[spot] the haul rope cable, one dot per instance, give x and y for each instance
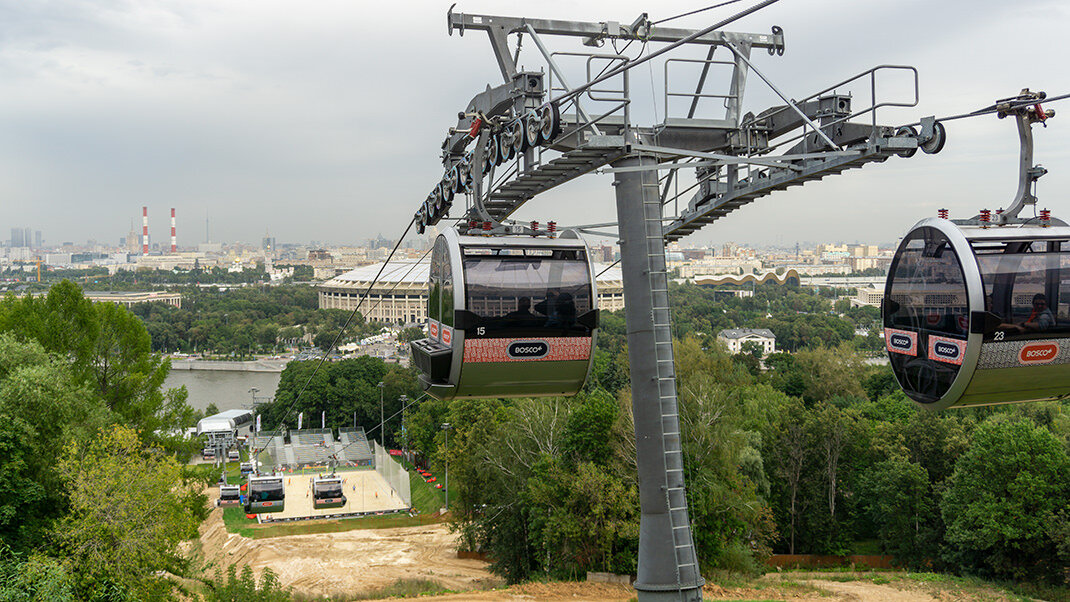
(695, 12)
(337, 337)
(373, 429)
(377, 304)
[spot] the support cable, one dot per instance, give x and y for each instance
(1010, 106)
(695, 12)
(337, 337)
(388, 418)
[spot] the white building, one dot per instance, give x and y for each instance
(734, 338)
(400, 293)
(871, 296)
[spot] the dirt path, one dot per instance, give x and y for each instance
(348, 562)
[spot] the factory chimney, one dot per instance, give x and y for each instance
(144, 230)
(174, 245)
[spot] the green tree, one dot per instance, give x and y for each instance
(1005, 494)
(244, 588)
(128, 511)
(900, 502)
(42, 408)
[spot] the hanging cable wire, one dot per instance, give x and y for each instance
(695, 12)
(387, 419)
(327, 352)
(609, 267)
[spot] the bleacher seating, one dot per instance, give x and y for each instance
(358, 451)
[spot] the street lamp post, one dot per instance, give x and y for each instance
(446, 427)
(402, 401)
(381, 440)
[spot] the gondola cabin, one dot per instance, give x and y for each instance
(327, 492)
(976, 314)
(508, 316)
(229, 495)
(265, 494)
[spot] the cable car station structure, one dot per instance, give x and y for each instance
(536, 131)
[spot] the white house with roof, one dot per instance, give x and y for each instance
(734, 338)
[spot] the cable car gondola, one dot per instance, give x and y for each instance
(327, 492)
(229, 495)
(265, 494)
(508, 316)
(979, 314)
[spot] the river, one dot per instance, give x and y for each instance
(228, 390)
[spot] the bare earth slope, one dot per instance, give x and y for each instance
(364, 560)
(348, 562)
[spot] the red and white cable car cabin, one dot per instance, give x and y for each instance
(978, 315)
(508, 316)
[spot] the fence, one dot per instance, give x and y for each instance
(392, 471)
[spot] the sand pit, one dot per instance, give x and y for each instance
(347, 562)
(365, 491)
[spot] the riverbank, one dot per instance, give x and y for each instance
(260, 365)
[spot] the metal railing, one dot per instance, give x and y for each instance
(695, 96)
(871, 109)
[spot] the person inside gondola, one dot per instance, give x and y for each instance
(1040, 318)
(548, 308)
(566, 311)
(522, 315)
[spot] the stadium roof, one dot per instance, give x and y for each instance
(412, 272)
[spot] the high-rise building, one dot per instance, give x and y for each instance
(17, 238)
(38, 242)
(268, 246)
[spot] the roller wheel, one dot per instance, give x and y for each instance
(505, 145)
(494, 150)
(450, 180)
(520, 137)
(490, 154)
(461, 178)
(532, 126)
(907, 131)
(936, 143)
(445, 196)
(549, 123)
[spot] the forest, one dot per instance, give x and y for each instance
(814, 450)
(811, 450)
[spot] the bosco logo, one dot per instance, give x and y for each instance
(1038, 353)
(528, 350)
(946, 350)
(901, 341)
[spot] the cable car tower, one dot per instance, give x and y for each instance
(537, 130)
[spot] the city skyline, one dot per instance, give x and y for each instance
(267, 119)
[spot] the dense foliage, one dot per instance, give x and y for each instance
(94, 500)
(817, 452)
(246, 321)
(347, 390)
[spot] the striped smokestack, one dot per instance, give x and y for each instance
(174, 245)
(144, 230)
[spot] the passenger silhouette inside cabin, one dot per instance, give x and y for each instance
(522, 315)
(1040, 318)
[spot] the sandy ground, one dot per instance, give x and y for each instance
(365, 491)
(364, 560)
(349, 562)
(800, 589)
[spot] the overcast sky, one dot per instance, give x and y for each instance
(322, 120)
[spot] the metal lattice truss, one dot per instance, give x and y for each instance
(535, 132)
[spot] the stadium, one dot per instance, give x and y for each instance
(399, 295)
(365, 479)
